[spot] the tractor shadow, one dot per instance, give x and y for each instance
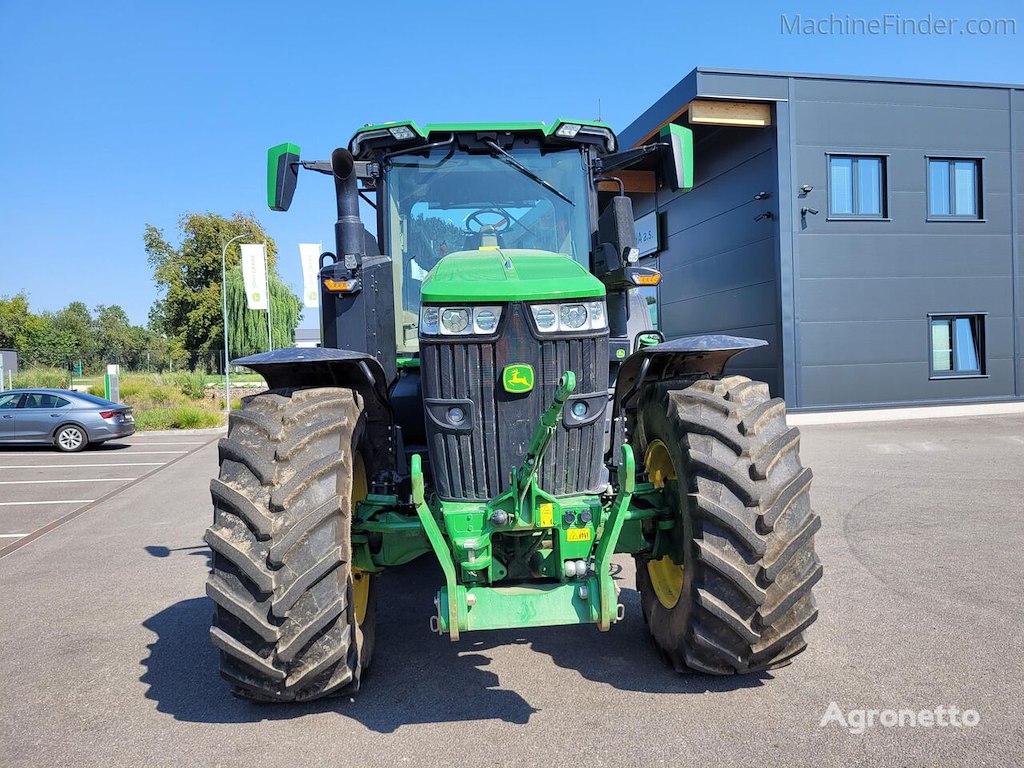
(417, 677)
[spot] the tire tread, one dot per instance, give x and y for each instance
(750, 564)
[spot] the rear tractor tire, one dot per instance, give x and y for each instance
(734, 594)
(292, 620)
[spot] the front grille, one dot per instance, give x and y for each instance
(475, 464)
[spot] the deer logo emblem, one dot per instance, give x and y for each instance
(517, 378)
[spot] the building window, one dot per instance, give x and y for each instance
(954, 188)
(957, 345)
(856, 186)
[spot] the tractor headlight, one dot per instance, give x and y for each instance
(571, 316)
(574, 316)
(429, 317)
(485, 319)
(546, 319)
(402, 132)
(455, 321)
(459, 321)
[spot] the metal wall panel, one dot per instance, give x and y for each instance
(866, 287)
(1017, 208)
(719, 266)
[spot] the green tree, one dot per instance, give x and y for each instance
(117, 340)
(72, 334)
(247, 328)
(189, 309)
(14, 320)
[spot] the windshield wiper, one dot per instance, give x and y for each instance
(501, 154)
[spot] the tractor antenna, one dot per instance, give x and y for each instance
(599, 109)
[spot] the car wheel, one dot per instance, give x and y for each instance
(71, 439)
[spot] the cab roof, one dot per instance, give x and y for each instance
(404, 133)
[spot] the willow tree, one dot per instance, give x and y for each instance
(247, 328)
(187, 277)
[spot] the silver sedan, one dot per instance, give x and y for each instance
(62, 418)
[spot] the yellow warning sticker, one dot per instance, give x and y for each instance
(577, 534)
(547, 515)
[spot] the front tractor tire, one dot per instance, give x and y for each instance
(733, 592)
(292, 620)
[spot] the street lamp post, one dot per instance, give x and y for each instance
(224, 297)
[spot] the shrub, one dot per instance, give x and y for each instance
(192, 385)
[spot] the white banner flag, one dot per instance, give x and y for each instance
(254, 274)
(309, 254)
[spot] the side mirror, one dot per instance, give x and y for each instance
(282, 175)
(677, 159)
(616, 235)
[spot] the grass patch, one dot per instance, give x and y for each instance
(191, 385)
(168, 400)
(41, 378)
(236, 378)
(161, 400)
(177, 417)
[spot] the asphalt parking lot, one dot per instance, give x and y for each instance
(41, 488)
(106, 659)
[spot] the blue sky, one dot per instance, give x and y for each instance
(115, 115)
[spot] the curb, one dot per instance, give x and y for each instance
(165, 432)
(904, 414)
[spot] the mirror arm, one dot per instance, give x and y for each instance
(363, 169)
(320, 166)
(625, 159)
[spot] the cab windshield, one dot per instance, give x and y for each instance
(451, 201)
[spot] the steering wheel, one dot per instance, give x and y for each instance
(498, 227)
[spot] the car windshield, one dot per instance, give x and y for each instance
(451, 201)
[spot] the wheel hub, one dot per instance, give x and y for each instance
(665, 574)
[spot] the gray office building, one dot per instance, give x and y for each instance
(870, 229)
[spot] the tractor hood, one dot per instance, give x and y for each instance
(503, 275)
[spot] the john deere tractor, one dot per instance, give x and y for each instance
(491, 393)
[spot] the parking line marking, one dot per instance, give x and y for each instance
(33, 503)
(24, 541)
(81, 480)
(146, 444)
(169, 442)
(76, 466)
(140, 453)
(12, 535)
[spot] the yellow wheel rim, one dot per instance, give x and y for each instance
(360, 578)
(666, 576)
(360, 593)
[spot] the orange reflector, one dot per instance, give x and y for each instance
(339, 286)
(647, 279)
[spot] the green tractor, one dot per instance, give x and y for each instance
(491, 393)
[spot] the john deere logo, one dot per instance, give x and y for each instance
(517, 378)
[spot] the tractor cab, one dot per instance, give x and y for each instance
(463, 190)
